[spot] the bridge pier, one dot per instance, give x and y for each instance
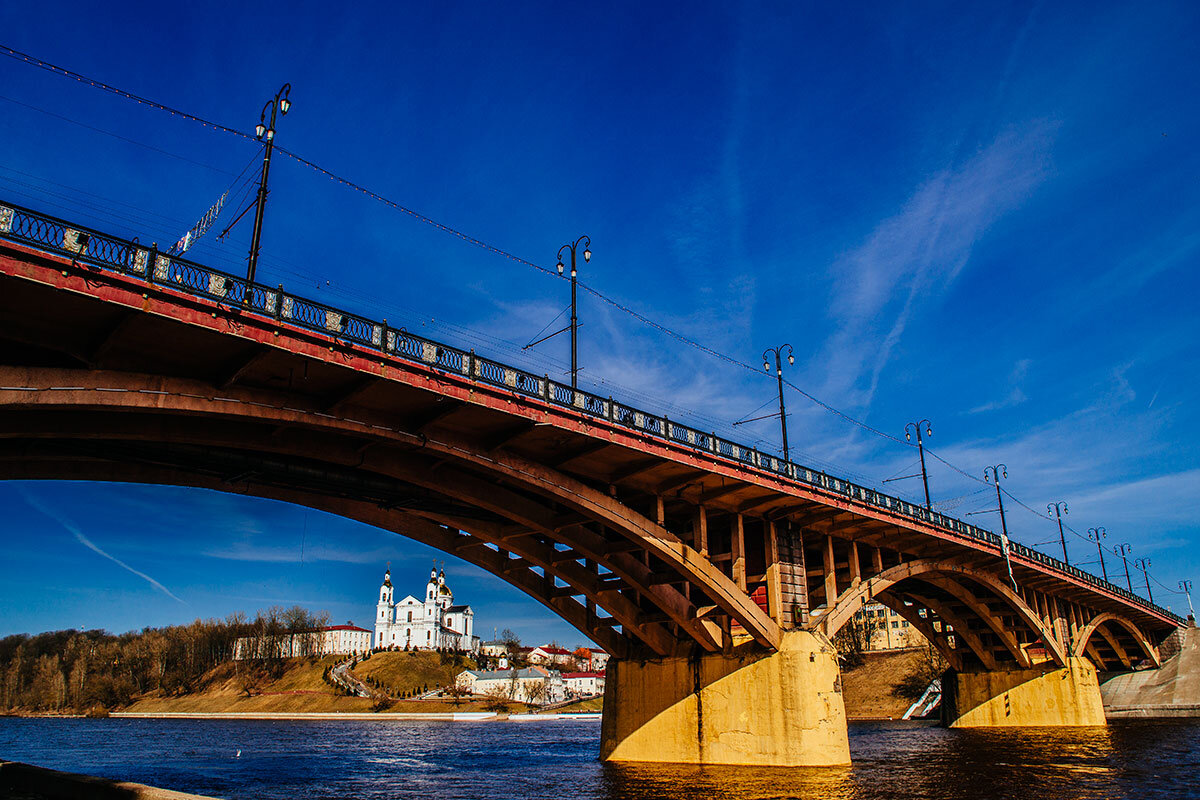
(1051, 696)
(769, 709)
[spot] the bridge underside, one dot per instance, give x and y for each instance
(652, 550)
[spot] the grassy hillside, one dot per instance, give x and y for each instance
(404, 673)
(223, 689)
(868, 689)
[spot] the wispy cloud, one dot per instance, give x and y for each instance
(912, 258)
(88, 543)
(1016, 395)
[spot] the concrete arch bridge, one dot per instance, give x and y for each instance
(714, 573)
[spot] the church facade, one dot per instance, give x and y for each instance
(429, 624)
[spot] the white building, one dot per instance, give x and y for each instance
(583, 684)
(547, 654)
(534, 685)
(889, 630)
(332, 639)
(592, 659)
(428, 624)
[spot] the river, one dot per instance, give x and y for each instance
(557, 759)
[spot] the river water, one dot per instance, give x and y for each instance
(557, 759)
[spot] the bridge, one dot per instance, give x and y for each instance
(716, 574)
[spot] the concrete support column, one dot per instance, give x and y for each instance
(1059, 697)
(780, 709)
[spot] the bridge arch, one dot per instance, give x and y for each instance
(909, 578)
(576, 540)
(1117, 641)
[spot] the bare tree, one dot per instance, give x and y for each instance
(854, 638)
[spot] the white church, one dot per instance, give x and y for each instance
(416, 625)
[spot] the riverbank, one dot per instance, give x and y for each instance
(300, 691)
(454, 716)
(26, 782)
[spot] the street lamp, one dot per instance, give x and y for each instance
(1123, 550)
(1059, 509)
(791, 359)
(587, 256)
(993, 475)
(1144, 565)
(1186, 588)
(1096, 534)
(916, 426)
(265, 132)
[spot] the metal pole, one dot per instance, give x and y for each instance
(924, 474)
(921, 449)
(1187, 590)
(259, 206)
(1000, 501)
(1144, 565)
(778, 351)
(997, 471)
(782, 413)
(1122, 550)
(1059, 508)
(280, 103)
(574, 324)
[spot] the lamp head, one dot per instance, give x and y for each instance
(791, 359)
(587, 254)
(907, 436)
(284, 105)
(559, 266)
(259, 130)
(766, 366)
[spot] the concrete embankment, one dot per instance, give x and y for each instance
(1173, 690)
(26, 782)
(459, 716)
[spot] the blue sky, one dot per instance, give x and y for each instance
(984, 216)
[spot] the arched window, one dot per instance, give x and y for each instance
(410, 616)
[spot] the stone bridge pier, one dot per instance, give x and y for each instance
(781, 709)
(1053, 696)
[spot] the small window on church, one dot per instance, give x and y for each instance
(410, 616)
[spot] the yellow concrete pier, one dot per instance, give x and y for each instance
(768, 709)
(1063, 697)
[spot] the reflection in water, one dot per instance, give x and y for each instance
(386, 760)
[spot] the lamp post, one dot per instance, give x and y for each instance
(1123, 550)
(916, 426)
(779, 376)
(993, 475)
(1096, 534)
(265, 132)
(1186, 588)
(587, 256)
(1059, 509)
(1144, 565)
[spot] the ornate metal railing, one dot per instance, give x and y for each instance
(97, 250)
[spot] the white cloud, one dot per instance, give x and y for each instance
(910, 259)
(88, 543)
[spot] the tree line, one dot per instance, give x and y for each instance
(82, 670)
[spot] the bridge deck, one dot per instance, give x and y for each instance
(120, 310)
